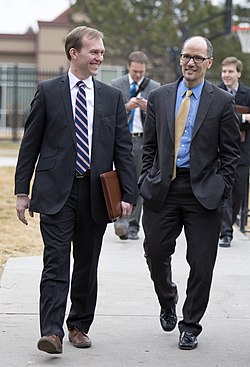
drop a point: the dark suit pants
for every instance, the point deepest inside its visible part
(233, 203)
(73, 223)
(202, 228)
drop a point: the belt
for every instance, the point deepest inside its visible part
(137, 135)
(79, 175)
(182, 170)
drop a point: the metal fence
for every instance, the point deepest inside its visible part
(18, 84)
(17, 88)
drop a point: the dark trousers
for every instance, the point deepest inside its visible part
(135, 217)
(202, 228)
(233, 203)
(73, 224)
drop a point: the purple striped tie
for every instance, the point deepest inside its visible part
(81, 127)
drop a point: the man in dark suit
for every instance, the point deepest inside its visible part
(76, 130)
(230, 75)
(190, 193)
(136, 110)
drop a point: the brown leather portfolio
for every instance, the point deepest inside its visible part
(242, 109)
(112, 194)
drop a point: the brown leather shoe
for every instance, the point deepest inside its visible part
(78, 338)
(50, 344)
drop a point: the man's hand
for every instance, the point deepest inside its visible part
(142, 103)
(135, 102)
(23, 203)
(126, 209)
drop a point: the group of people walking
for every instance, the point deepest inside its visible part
(176, 149)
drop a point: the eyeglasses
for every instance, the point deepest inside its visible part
(197, 59)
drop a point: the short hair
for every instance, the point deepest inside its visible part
(74, 38)
(138, 56)
(210, 48)
(233, 60)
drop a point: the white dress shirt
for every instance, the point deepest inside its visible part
(137, 123)
(89, 90)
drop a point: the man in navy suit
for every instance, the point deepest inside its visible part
(70, 200)
(193, 198)
(231, 69)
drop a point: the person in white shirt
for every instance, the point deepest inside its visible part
(76, 130)
(135, 88)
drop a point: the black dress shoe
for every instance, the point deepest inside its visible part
(187, 341)
(168, 318)
(225, 241)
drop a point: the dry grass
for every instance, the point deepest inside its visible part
(8, 148)
(16, 239)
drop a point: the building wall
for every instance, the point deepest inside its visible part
(13, 59)
(50, 46)
(29, 58)
(45, 49)
(18, 48)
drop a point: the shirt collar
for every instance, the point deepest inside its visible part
(196, 90)
(73, 80)
(235, 88)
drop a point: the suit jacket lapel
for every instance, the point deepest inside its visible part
(98, 109)
(204, 105)
(66, 97)
(126, 87)
(170, 100)
(241, 95)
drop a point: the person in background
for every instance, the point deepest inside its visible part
(231, 69)
(76, 130)
(190, 151)
(135, 88)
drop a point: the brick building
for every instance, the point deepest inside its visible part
(27, 58)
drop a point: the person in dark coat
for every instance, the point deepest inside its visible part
(185, 187)
(231, 69)
(76, 129)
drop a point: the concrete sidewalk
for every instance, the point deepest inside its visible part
(126, 330)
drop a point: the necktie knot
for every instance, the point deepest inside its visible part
(81, 84)
(233, 92)
(189, 93)
(133, 87)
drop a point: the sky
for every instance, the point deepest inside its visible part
(16, 16)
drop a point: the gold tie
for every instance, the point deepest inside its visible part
(180, 123)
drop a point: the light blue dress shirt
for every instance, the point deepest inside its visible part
(183, 156)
